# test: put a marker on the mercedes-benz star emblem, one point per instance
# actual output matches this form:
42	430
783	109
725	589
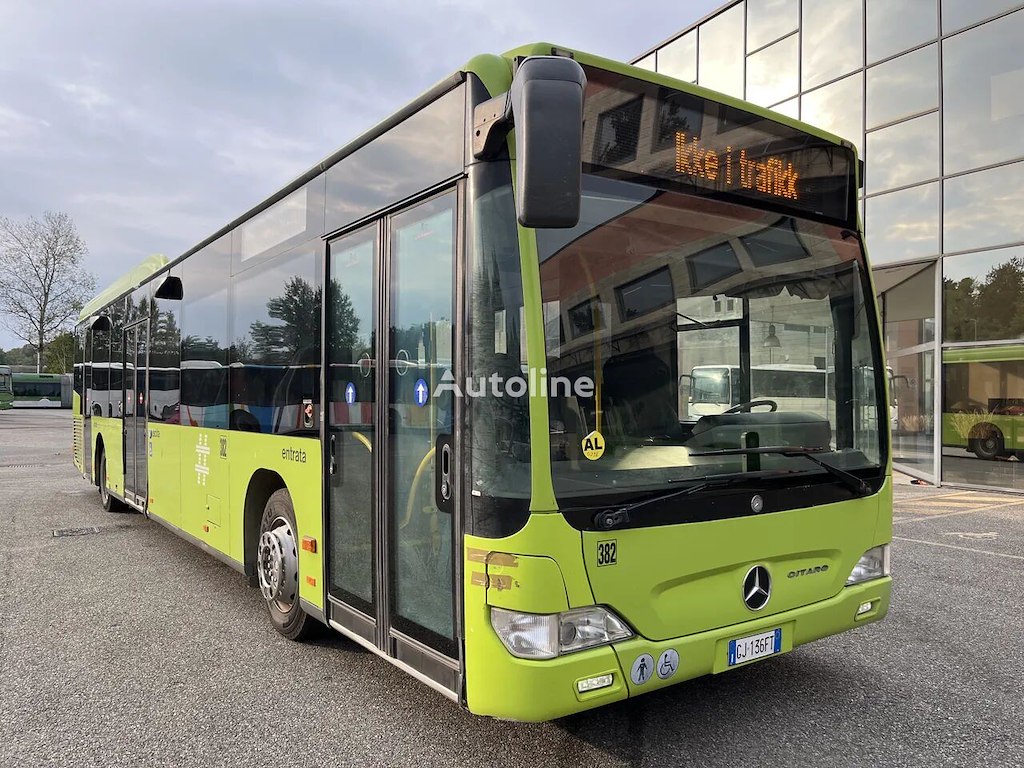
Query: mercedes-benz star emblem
757	588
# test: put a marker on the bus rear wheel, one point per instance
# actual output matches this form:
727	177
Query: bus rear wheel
110	504
989	444
277	567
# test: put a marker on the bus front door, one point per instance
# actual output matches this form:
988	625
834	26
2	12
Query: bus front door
390	435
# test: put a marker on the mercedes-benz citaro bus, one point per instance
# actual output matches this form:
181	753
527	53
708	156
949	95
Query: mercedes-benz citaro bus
487	476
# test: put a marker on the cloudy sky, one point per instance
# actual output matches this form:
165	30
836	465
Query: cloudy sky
155	123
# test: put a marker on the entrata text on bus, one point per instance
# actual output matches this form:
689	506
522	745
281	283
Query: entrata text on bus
441	392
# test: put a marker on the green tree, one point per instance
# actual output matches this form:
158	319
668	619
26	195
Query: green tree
297	330
1001	301
60	353
988	308
345	325
24	355
196	348
164	340
297	311
960	301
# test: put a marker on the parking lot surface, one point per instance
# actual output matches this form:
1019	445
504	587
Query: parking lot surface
127	646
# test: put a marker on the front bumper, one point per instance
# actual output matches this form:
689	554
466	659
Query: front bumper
520	689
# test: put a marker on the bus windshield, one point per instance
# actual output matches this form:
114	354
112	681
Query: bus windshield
659	300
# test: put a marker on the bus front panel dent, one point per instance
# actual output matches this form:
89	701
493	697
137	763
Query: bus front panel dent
497	683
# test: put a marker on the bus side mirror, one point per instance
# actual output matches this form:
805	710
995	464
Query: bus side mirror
545	106
547	110
170	288
100	323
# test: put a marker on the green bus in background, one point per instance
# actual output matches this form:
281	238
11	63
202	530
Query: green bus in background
983	401
428	393
42	390
6	392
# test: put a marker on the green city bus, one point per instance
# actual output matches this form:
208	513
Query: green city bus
41	390
6	389
983	401
427	394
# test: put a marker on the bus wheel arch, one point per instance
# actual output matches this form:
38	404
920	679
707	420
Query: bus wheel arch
986	441
262	486
97	454
110	504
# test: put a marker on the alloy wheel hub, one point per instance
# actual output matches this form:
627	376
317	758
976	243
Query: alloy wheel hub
277	565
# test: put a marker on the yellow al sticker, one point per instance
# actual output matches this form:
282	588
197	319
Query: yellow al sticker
593	446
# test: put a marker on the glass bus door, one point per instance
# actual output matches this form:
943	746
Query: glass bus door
419	427
390	436
351	416
136	400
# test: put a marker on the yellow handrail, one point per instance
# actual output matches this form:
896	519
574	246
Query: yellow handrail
364	440
415	483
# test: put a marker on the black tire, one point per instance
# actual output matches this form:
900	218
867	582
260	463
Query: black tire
110	504
277	554
989	445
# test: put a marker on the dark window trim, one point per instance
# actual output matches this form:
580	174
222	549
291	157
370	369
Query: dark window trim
783	223
598	318
665	95
619	298
633	103
691	268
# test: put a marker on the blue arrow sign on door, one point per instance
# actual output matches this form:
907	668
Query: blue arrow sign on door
420	392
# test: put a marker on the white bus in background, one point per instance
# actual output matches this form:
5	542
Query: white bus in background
715	389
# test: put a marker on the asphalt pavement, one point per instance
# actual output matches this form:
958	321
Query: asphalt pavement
127	646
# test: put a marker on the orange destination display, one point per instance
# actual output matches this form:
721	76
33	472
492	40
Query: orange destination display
639	130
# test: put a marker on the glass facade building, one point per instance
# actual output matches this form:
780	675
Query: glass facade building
932	94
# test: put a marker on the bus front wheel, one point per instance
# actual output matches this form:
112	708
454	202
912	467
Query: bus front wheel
277	567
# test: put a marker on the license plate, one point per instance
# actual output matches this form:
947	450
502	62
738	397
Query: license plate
757	646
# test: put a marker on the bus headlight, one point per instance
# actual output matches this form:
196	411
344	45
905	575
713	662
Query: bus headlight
874	564
545	636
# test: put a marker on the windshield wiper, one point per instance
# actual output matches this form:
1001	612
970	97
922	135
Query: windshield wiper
609	518
851	481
